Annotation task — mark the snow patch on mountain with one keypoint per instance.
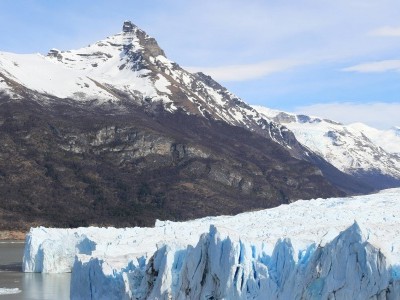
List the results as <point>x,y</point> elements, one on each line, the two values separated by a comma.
<point>4,88</point>
<point>389,140</point>
<point>162,84</point>
<point>37,73</point>
<point>87,73</point>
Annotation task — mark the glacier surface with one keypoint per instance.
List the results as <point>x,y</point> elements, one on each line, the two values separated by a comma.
<point>340,248</point>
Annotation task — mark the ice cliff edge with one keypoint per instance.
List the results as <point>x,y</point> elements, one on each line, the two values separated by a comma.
<point>343,248</point>
<point>219,267</point>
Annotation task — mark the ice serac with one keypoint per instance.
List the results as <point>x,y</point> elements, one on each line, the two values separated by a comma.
<point>50,250</point>
<point>346,268</point>
<point>348,248</point>
<point>219,267</point>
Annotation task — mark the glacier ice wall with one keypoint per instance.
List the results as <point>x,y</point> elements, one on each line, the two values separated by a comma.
<point>348,267</point>
<point>55,254</point>
<point>342,248</point>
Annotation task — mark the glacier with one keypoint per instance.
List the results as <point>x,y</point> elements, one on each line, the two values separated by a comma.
<point>339,248</point>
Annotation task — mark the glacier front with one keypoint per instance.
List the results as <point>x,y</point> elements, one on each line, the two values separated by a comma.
<point>340,248</point>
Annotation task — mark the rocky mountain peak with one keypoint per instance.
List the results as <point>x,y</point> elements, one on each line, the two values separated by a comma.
<point>148,43</point>
<point>55,53</point>
<point>128,26</point>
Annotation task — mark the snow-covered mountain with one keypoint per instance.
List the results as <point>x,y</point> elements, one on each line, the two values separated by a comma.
<point>119,129</point>
<point>339,248</point>
<point>132,131</point>
<point>128,66</point>
<point>356,149</point>
<point>389,140</point>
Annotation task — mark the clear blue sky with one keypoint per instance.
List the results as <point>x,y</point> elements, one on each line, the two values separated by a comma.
<point>329,58</point>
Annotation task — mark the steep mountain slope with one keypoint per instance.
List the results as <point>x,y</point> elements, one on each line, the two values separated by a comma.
<point>389,140</point>
<point>130,68</point>
<point>355,149</point>
<point>72,166</point>
<point>115,133</point>
<point>126,66</point>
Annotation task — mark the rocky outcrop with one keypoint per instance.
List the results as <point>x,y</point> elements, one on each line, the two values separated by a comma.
<point>128,26</point>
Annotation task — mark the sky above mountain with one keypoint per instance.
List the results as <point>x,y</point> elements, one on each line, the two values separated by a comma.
<point>335,59</point>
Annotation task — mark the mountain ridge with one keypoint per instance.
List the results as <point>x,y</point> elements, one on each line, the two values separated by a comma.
<point>149,78</point>
<point>355,149</point>
<point>122,70</point>
<point>116,133</point>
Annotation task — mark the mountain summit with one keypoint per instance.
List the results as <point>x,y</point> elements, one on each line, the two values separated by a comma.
<point>116,133</point>
<point>129,68</point>
<point>128,26</point>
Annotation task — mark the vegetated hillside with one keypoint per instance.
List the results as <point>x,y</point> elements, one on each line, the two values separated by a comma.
<point>76,165</point>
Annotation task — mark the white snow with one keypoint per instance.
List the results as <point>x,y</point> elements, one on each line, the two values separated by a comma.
<point>389,140</point>
<point>162,84</point>
<point>113,67</point>
<point>8,291</point>
<point>266,111</point>
<point>84,74</point>
<point>350,148</point>
<point>165,61</point>
<point>261,248</point>
<point>345,148</point>
<point>4,87</point>
<point>39,74</point>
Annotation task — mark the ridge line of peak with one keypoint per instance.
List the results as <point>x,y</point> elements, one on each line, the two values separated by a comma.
<point>128,26</point>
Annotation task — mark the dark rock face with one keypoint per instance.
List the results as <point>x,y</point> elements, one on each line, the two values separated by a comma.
<point>285,118</point>
<point>128,26</point>
<point>377,179</point>
<point>66,166</point>
<point>150,45</point>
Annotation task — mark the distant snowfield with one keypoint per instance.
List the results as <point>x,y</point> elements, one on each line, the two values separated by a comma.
<point>350,148</point>
<point>389,140</point>
<point>350,246</point>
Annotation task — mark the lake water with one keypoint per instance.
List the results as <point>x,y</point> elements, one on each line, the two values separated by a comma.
<point>32,285</point>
